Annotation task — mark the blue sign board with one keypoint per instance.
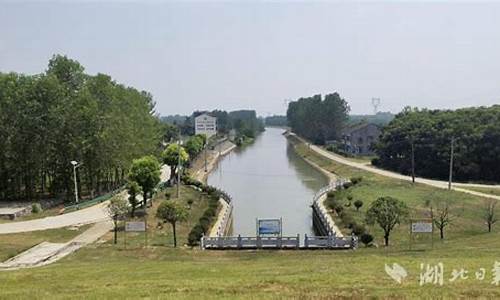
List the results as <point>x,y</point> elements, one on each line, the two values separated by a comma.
<point>269,227</point>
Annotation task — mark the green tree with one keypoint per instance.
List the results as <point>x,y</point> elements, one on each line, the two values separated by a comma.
<point>172,212</point>
<point>358,204</point>
<point>133,189</point>
<point>146,172</point>
<point>171,158</point>
<point>117,208</point>
<point>387,212</point>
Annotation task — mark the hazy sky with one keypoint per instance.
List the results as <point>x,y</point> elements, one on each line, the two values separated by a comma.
<point>255,55</point>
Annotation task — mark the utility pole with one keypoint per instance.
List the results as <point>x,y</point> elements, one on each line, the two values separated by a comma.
<point>452,150</point>
<point>412,160</point>
<point>179,165</point>
<point>75,165</point>
<point>206,146</point>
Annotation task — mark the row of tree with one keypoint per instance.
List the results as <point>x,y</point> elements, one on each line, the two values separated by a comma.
<point>318,118</point>
<point>62,115</point>
<point>244,122</point>
<point>429,135</point>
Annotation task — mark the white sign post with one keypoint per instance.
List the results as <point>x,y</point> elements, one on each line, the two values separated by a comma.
<point>422,226</point>
<point>136,226</point>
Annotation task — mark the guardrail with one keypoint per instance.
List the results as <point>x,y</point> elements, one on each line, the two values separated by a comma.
<point>322,214</point>
<point>222,229</point>
<point>289,242</point>
<point>330,242</point>
<point>254,242</point>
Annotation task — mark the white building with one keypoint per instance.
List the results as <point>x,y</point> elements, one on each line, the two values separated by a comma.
<point>205,124</point>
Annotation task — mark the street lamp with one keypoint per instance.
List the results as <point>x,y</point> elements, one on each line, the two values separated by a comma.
<point>75,165</point>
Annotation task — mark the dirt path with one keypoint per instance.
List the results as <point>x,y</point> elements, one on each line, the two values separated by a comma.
<point>461,187</point>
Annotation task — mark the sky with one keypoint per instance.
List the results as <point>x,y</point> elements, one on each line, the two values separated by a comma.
<point>256,55</point>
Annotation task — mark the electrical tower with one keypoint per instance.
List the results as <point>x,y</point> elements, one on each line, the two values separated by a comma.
<point>375,104</point>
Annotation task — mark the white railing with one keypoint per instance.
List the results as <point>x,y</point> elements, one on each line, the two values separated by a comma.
<point>334,185</point>
<point>288,242</point>
<point>226,218</point>
<point>330,242</point>
<point>239,242</point>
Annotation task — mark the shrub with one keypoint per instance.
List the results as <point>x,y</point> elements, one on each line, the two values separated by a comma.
<point>366,239</point>
<point>358,229</point>
<point>347,185</point>
<point>356,180</point>
<point>190,202</point>
<point>338,209</point>
<point>358,204</point>
<point>36,208</point>
<point>349,197</point>
<point>330,194</point>
<point>195,235</point>
<point>347,219</point>
<point>168,195</point>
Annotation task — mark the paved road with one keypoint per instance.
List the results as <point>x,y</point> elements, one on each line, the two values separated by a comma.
<point>90,215</point>
<point>462,187</point>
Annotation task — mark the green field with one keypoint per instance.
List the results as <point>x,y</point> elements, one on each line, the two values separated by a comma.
<point>160,271</point>
<point>13,244</point>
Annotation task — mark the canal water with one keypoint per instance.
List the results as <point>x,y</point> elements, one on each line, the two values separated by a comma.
<point>269,180</point>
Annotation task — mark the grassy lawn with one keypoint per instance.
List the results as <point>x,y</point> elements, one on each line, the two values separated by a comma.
<point>160,234</point>
<point>467,210</point>
<point>13,244</point>
<point>163,272</point>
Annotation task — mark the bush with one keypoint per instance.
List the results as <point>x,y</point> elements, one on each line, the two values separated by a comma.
<point>349,198</point>
<point>347,185</point>
<point>195,235</point>
<point>366,239</point>
<point>356,180</point>
<point>330,194</point>
<point>168,195</point>
<point>347,219</point>
<point>36,208</point>
<point>338,209</point>
<point>333,204</point>
<point>358,229</point>
<point>358,204</point>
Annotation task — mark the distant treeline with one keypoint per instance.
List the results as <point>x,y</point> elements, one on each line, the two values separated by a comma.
<point>476,132</point>
<point>318,119</point>
<point>276,120</point>
<point>244,122</point>
<point>50,119</point>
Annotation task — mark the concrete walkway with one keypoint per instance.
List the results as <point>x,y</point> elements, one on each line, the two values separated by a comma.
<point>461,187</point>
<point>46,253</point>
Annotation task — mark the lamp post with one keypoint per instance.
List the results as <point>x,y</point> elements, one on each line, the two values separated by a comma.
<point>75,165</point>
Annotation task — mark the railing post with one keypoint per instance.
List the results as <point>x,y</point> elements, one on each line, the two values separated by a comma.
<point>239,241</point>
<point>329,241</point>
<point>259,242</point>
<point>306,241</point>
<point>298,241</point>
<point>202,241</point>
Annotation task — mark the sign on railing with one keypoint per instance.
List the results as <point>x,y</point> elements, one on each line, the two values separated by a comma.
<point>269,227</point>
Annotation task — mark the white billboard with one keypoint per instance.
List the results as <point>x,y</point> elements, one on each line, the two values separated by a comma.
<point>421,227</point>
<point>135,226</point>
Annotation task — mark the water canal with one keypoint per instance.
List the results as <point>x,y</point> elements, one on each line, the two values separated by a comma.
<point>269,180</point>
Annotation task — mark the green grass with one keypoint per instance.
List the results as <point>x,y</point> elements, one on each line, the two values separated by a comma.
<point>159,233</point>
<point>467,210</point>
<point>160,272</point>
<point>13,244</point>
